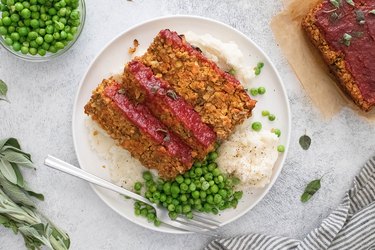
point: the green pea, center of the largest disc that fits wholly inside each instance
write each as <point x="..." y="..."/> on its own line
<point x="74" y="15"/>
<point x="147" y="174"/>
<point x="271" y="117"/>
<point x="34" y="8"/>
<point x="157" y="222"/>
<point x="27" y="22"/>
<point x="69" y="37"/>
<point x="50" y="29"/>
<point x="62" y="12"/>
<point x="214" y="188"/>
<point x="42" y="52"/>
<point x="32" y="35"/>
<point x="56" y="35"/>
<point x="11" y="29"/>
<point x="138" y="186"/>
<point x="14" y="17"/>
<point x="39" y="40"/>
<point x="254" y="91"/>
<point x="238" y="195"/>
<point x="184" y="187"/>
<point x="265" y="113"/>
<point x="26" y="4"/>
<point x="73" y="30"/>
<point x="281" y="148"/>
<point x="8" y="41"/>
<point x="33" y="51"/>
<point x="210" y="199"/>
<point x="15" y="36"/>
<point x="175" y="190"/>
<point x="34" y="23"/>
<point x="25" y="13"/>
<point x="256" y="126"/>
<point x="18" y="6"/>
<point x="213" y="156"/>
<point x="171" y="207"/>
<point x="261" y="90"/>
<point x="205" y="185"/>
<point x="6" y="21"/>
<point x="144" y="212"/>
<point x="180" y="179"/>
<point x="24" y="50"/>
<point x="172" y="215"/>
<point x="276" y="131"/>
<point x="16" y="46"/>
<point x="3" y="31"/>
<point x="23" y="31"/>
<point x="186" y="209"/>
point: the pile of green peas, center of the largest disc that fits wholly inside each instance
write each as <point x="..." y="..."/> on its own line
<point x="204" y="188"/>
<point x="39" y="26"/>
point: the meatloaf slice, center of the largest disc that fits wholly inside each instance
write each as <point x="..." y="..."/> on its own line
<point x="217" y="96"/>
<point x="138" y="131"/>
<point x="345" y="37"/>
<point x="179" y="116"/>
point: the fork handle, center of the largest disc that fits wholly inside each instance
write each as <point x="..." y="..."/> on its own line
<point x="65" y="167"/>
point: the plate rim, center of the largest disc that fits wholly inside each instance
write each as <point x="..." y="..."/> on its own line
<point x="284" y="93"/>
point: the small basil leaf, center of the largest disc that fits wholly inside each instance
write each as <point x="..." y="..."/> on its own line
<point x="310" y="190"/>
<point x="3" y="91"/>
<point x="305" y="142"/>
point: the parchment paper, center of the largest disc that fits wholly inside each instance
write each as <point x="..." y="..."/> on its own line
<point x="307" y="62"/>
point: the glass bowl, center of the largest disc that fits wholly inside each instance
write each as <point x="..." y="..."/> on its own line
<point x="49" y="55"/>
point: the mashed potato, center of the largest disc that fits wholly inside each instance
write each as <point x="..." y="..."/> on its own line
<point x="250" y="156"/>
<point x="226" y="55"/>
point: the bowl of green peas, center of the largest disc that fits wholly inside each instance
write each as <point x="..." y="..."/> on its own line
<point x="40" y="30"/>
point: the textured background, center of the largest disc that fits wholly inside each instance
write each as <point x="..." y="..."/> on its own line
<point x="40" y="116"/>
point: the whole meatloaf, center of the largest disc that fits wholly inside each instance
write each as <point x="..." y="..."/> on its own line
<point x="344" y="33"/>
<point x="138" y="131"/>
<point x="217" y="96"/>
<point x="178" y="115"/>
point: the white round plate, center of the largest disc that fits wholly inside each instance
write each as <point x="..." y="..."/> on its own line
<point x="112" y="59"/>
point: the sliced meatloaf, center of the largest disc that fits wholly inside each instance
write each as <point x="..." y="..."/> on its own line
<point x="344" y="33"/>
<point x="179" y="116"/>
<point x="138" y="131"/>
<point x="217" y="96"/>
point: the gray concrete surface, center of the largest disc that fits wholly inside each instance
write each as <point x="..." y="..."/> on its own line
<point x="40" y="117"/>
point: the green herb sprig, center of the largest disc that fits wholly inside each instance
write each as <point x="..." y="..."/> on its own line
<point x="372" y="12"/>
<point x="17" y="210"/>
<point x="3" y="91"/>
<point x="310" y="190"/>
<point x="350" y="2"/>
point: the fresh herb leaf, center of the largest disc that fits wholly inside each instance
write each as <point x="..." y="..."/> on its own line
<point x="372" y="12"/>
<point x="17" y="209"/>
<point x="121" y="91"/>
<point x="334" y="17"/>
<point x="335" y="3"/>
<point x="360" y="16"/>
<point x="346" y="38"/>
<point x="7" y="170"/>
<point x="350" y="2"/>
<point x="232" y="72"/>
<point x="172" y="94"/>
<point x="305" y="142"/>
<point x="3" y="91"/>
<point x="154" y="89"/>
<point x="310" y="190"/>
<point x="258" y="68"/>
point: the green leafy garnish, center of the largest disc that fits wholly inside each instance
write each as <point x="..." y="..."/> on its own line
<point x="335" y="3"/>
<point x="350" y="2"/>
<point x="17" y="209"/>
<point x="232" y="72"/>
<point x="360" y="16"/>
<point x="372" y="12"/>
<point x="305" y="142"/>
<point x="346" y="38"/>
<point x="3" y="91"/>
<point x="310" y="190"/>
<point x="258" y="68"/>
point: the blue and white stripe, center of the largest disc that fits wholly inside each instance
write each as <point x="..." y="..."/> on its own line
<point x="350" y="226"/>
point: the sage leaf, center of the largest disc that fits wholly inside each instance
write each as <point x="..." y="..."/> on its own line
<point x="8" y="223"/>
<point x="7" y="170"/>
<point x="305" y="142"/>
<point x="28" y="156"/>
<point x="15" y="193"/>
<point x="350" y="2"/>
<point x="34" y="194"/>
<point x="17" y="158"/>
<point x="310" y="190"/>
<point x="3" y="91"/>
<point x="13" y="142"/>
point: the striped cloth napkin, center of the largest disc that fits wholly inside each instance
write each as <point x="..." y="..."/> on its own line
<point x="350" y="227"/>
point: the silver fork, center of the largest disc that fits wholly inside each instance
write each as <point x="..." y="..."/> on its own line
<point x="199" y="224"/>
